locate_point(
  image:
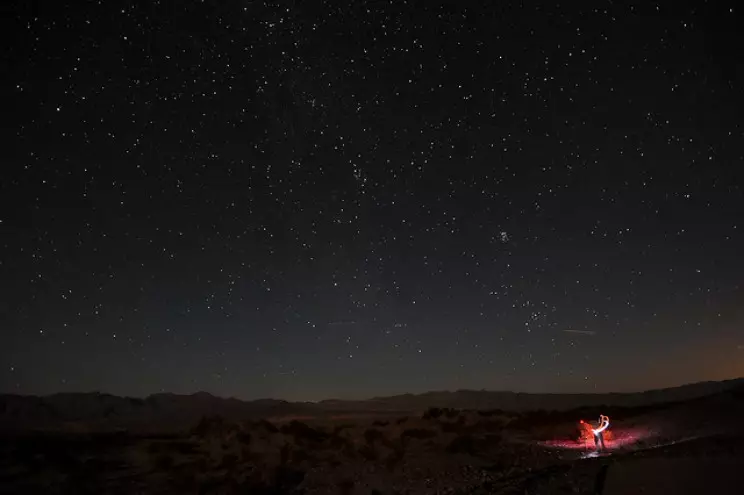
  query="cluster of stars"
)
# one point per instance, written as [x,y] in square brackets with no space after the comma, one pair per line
[304,201]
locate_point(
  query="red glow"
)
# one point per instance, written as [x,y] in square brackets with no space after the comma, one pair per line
[616,438]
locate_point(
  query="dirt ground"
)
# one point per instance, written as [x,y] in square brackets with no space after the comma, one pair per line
[685,448]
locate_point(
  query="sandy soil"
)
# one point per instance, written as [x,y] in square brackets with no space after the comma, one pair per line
[693,447]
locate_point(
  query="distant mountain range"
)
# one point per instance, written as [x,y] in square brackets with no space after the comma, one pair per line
[168,412]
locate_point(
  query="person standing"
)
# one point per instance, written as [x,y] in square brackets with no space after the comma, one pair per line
[603,424]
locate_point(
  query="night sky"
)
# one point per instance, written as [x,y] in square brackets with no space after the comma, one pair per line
[305,200]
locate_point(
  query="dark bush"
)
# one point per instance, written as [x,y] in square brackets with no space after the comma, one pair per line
[380,423]
[491,426]
[210,484]
[284,454]
[301,431]
[338,442]
[368,452]
[346,487]
[450,427]
[392,460]
[201,464]
[451,413]
[229,461]
[164,461]
[340,428]
[402,420]
[432,413]
[300,455]
[287,478]
[349,451]
[464,444]
[492,440]
[490,412]
[268,426]
[244,437]
[418,433]
[183,447]
[372,435]
[208,425]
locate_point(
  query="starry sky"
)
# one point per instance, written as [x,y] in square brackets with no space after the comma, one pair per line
[315,199]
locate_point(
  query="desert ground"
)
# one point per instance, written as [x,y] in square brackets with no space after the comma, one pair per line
[691,446]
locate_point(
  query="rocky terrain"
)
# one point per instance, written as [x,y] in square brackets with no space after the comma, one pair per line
[441,450]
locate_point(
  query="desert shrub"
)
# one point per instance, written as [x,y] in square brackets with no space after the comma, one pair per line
[210,484]
[371,435]
[338,442]
[402,420]
[491,426]
[246,454]
[208,425]
[388,442]
[491,439]
[450,413]
[464,444]
[201,464]
[349,451]
[448,427]
[163,461]
[301,431]
[490,412]
[244,437]
[432,413]
[300,455]
[183,447]
[392,460]
[418,433]
[368,452]
[229,461]
[286,478]
[284,454]
[268,426]
[340,428]
[346,487]
[380,423]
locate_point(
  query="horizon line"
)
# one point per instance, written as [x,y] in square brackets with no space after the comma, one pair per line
[378,397]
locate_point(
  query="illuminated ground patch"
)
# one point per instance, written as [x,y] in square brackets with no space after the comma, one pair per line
[615,438]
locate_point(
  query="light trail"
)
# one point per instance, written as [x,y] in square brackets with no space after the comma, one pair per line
[604,423]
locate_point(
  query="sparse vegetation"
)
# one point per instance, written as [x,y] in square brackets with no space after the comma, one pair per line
[244,437]
[464,444]
[418,433]
[304,433]
[293,457]
[372,435]
[163,461]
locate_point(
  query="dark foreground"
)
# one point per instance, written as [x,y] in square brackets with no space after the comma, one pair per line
[693,447]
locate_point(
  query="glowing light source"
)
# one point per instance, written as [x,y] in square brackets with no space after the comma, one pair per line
[604,423]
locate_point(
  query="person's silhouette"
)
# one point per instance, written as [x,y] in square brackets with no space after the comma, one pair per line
[603,424]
